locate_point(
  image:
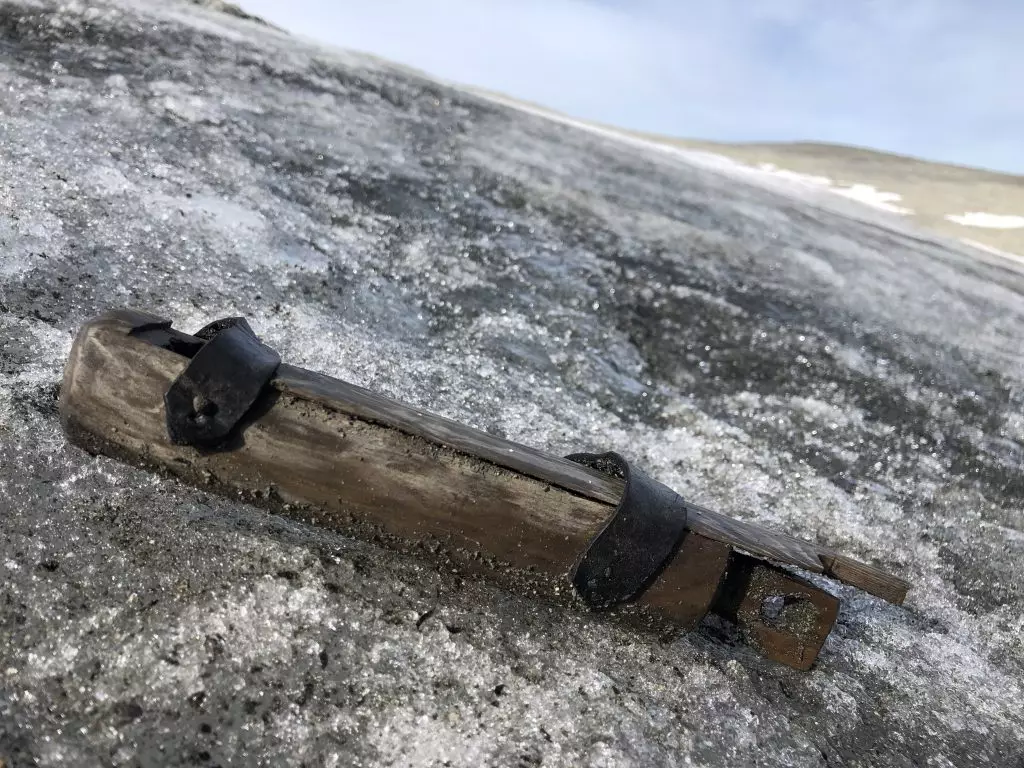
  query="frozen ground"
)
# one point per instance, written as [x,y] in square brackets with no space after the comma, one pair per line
[807,363]
[767,175]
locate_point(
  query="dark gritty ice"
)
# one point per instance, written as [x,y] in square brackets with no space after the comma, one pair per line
[787,358]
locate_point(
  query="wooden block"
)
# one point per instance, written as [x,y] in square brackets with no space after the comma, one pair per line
[341,456]
[330,465]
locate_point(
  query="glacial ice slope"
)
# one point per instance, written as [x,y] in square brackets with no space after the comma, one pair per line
[817,368]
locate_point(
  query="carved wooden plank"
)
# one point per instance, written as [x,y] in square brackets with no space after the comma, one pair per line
[298,456]
[556,470]
[344,457]
[343,397]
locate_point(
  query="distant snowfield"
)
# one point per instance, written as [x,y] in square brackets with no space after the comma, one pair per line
[987,220]
[770,175]
[765,173]
[863,193]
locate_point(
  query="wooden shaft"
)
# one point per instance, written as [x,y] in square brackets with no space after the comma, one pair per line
[587,482]
[309,457]
[341,456]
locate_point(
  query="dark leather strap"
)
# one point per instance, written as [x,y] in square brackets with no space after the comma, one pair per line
[637,541]
[220,384]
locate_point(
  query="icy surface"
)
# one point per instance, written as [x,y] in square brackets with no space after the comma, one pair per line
[768,175]
[803,362]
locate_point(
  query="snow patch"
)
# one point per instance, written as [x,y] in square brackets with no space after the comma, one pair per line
[987,220]
[794,181]
[862,193]
[865,193]
[800,178]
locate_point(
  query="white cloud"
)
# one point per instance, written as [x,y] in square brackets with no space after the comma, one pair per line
[938,78]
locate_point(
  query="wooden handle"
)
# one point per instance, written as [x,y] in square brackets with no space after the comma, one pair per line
[342,456]
[335,463]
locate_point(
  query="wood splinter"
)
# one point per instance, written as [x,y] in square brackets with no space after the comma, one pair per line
[235,419]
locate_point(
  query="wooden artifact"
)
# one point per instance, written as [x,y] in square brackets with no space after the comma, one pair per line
[219,409]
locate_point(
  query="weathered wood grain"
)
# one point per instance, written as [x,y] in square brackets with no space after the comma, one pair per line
[784,617]
[587,482]
[295,454]
[345,398]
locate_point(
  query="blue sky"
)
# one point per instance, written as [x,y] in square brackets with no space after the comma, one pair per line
[942,79]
